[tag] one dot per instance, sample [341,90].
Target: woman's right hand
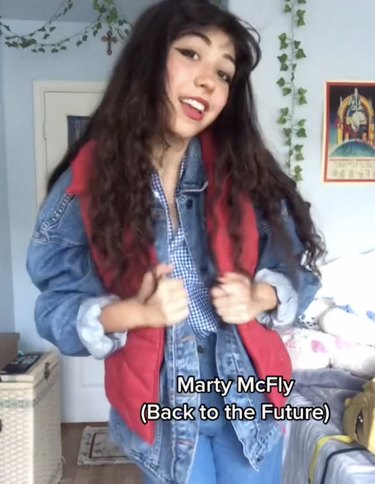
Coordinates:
[161,301]
[164,300]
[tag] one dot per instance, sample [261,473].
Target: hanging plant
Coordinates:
[107,17]
[294,128]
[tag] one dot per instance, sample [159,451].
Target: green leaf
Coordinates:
[283,36]
[54,50]
[284,111]
[284,45]
[282,120]
[284,67]
[301,91]
[286,91]
[300,54]
[283,58]
[288,8]
[112,16]
[281,82]
[301,1]
[300,23]
[52,29]
[298,148]
[301,133]
[296,43]
[299,157]
[302,100]
[302,123]
[288,132]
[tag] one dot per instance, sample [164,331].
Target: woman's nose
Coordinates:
[206,80]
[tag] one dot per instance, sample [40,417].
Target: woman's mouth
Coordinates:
[194,108]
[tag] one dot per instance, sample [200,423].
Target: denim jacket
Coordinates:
[60,265]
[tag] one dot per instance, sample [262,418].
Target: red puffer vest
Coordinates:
[132,373]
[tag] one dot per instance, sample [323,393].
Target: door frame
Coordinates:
[40,89]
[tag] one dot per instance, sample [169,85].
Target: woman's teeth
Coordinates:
[193,103]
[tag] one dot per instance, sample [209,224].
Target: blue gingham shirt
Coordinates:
[202,317]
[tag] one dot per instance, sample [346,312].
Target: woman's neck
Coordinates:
[168,157]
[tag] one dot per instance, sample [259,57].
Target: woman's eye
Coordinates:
[189,53]
[225,77]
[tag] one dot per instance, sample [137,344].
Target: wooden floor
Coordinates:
[74,474]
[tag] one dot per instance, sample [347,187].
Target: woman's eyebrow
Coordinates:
[207,41]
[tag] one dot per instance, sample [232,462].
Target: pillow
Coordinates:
[349,326]
[307,348]
[311,349]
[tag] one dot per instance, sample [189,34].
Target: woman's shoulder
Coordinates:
[59,219]
[262,222]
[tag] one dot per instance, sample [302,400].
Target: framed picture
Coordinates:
[76,127]
[349,132]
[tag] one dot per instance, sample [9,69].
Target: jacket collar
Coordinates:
[194,176]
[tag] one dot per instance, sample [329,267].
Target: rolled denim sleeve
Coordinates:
[91,331]
[304,282]
[286,310]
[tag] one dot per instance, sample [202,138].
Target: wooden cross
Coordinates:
[109,38]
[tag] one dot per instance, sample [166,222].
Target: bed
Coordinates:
[332,349]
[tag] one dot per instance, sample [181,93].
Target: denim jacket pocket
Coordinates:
[59,217]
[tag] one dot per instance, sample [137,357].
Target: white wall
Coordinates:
[338,41]
[6,287]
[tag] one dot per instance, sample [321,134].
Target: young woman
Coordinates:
[173,245]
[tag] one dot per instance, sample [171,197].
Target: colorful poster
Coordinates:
[349,134]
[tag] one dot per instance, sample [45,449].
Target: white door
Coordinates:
[60,109]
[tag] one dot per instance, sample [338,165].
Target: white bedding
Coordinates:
[338,329]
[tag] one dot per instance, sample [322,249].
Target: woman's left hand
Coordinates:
[238,300]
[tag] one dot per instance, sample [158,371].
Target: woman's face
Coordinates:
[200,68]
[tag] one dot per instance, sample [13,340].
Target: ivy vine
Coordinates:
[294,128]
[107,16]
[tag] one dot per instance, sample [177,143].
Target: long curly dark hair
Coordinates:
[134,113]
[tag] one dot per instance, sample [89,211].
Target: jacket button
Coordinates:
[189,203]
[200,349]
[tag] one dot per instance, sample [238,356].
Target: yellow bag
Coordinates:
[359,416]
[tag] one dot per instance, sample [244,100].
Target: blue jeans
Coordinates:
[219,458]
